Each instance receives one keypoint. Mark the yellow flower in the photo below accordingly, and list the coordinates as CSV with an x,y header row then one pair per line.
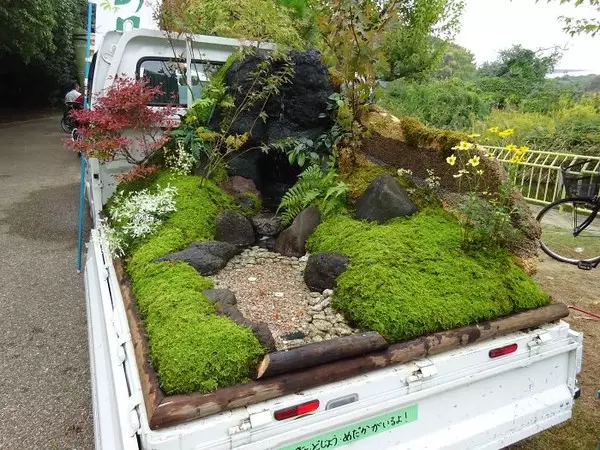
x,y
516,159
494,130
463,145
511,147
474,161
506,133
522,150
451,160
479,172
474,135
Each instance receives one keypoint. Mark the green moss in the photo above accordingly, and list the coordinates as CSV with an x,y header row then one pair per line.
x,y
419,136
256,207
358,178
192,352
191,348
410,277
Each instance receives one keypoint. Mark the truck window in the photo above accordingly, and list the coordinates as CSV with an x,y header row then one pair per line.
x,y
171,76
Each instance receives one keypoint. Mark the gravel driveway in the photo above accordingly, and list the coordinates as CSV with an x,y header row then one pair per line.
x,y
44,368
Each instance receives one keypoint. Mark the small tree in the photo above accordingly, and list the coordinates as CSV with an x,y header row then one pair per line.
x,y
352,33
122,125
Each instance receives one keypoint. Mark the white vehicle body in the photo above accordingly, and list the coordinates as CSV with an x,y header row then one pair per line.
x,y
460,399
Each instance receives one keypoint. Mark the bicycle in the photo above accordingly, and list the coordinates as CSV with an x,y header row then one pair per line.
x,y
569,231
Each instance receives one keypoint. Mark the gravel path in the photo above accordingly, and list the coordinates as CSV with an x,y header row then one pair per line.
x,y
44,369
270,288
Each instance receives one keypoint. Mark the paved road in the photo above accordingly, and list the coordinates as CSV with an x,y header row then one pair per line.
x,y
44,371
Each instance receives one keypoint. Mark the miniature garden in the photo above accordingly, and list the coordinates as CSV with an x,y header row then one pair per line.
x,y
285,209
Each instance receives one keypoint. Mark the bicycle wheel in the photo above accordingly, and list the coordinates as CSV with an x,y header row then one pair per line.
x,y
558,222
65,126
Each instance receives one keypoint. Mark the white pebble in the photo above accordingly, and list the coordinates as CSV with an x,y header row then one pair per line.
x,y
328,292
278,294
252,279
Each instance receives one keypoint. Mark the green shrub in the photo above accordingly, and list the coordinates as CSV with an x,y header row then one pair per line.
x,y
410,277
191,348
449,104
570,130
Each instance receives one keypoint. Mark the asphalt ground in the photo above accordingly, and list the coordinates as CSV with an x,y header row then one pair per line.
x,y
44,366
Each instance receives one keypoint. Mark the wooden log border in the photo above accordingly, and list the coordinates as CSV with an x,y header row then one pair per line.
x,y
165,411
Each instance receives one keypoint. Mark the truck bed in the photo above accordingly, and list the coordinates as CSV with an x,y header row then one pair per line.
x,y
463,398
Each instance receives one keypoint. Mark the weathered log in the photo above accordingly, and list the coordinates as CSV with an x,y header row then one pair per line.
x,y
151,391
318,353
182,408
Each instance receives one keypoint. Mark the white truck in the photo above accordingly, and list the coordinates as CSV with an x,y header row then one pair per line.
x,y
484,395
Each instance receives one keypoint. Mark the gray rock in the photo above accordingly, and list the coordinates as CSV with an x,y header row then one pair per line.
x,y
206,257
234,228
383,200
323,269
293,336
327,293
292,240
313,330
267,224
222,296
319,316
237,185
225,303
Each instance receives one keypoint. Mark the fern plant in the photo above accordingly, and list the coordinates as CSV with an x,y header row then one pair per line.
x,y
314,187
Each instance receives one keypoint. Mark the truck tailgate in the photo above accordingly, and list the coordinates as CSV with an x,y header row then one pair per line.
x,y
485,395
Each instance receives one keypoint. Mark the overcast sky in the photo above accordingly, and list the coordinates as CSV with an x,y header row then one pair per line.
x,y
492,25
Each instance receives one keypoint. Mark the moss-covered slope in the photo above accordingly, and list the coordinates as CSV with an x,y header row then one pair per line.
x,y
410,277
191,348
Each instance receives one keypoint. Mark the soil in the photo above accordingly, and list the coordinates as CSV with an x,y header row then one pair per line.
x,y
579,288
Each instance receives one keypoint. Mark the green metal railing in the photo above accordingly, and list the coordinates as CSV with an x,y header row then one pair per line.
x,y
538,174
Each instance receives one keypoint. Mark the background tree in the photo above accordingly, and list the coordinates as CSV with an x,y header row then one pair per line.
x,y
455,62
588,25
413,48
263,20
36,49
516,74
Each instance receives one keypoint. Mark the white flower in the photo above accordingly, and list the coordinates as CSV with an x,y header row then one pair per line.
x,y
137,215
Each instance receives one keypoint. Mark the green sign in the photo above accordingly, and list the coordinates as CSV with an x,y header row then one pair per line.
x,y
357,431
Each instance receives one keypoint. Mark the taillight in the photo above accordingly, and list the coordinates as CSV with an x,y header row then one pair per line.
x,y
298,410
501,351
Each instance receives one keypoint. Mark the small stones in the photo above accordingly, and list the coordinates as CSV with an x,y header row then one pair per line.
x,y
307,314
322,325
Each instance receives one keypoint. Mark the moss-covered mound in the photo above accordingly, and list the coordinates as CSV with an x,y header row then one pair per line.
x,y
410,277
191,348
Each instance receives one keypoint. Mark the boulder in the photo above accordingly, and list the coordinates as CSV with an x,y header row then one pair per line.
x,y
237,185
323,269
234,228
267,224
292,240
225,303
206,257
299,110
221,296
246,165
383,200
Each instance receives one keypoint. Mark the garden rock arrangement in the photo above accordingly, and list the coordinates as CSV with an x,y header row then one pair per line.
x,y
270,288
